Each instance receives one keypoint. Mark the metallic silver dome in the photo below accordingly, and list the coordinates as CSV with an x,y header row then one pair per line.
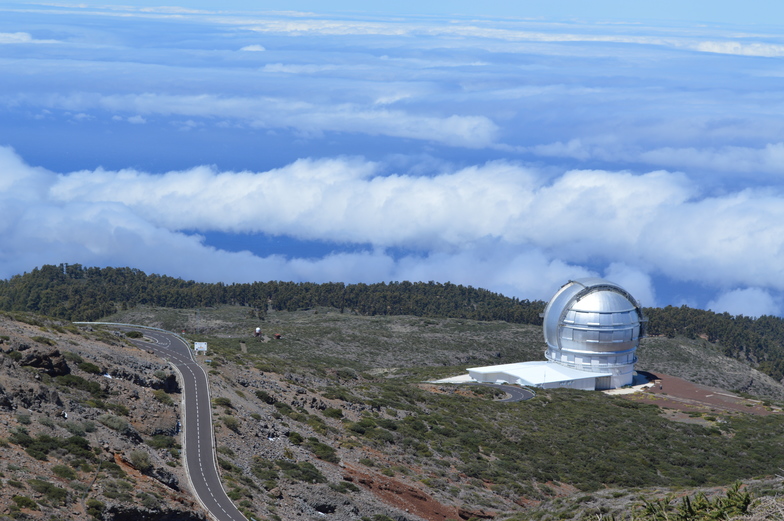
x,y
594,325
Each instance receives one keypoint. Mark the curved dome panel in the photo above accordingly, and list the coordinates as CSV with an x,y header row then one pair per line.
x,y
593,324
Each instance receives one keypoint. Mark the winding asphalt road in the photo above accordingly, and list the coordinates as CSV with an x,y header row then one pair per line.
x,y
515,394
198,440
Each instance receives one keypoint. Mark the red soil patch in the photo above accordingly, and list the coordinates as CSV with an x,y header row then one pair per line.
x,y
409,498
675,393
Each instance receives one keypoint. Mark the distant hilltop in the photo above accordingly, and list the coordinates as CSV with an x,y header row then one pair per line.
x,y
75,292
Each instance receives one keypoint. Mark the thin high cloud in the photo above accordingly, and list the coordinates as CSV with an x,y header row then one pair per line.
x,y
555,33
454,130
768,159
499,225
22,38
519,87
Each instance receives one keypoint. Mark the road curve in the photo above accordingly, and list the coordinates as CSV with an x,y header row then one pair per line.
x,y
515,394
198,440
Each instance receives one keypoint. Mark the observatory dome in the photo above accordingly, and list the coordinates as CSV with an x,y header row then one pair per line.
x,y
594,325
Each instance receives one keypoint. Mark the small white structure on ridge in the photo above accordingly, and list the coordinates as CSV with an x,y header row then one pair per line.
x,y
592,328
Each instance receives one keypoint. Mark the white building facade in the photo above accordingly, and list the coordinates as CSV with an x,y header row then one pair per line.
x,y
592,328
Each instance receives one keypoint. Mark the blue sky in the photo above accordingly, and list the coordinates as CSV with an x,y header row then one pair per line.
x,y
505,147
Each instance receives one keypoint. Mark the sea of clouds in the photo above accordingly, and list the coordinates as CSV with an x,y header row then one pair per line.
x,y
507,154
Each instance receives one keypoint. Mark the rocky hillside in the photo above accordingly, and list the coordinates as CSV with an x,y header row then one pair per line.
x,y
330,413
329,416
88,427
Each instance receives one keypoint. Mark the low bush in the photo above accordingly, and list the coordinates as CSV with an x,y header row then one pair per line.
x,y
161,396
141,461
223,449
73,357
322,450
232,423
343,487
331,412
222,401
113,422
25,502
265,397
89,367
71,381
44,340
55,494
302,471
161,441
64,471
119,408
95,508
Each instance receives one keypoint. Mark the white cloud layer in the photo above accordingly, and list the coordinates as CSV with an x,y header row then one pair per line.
x,y
506,153
750,302
500,225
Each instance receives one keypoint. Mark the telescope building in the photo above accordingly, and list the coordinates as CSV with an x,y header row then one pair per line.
x,y
592,328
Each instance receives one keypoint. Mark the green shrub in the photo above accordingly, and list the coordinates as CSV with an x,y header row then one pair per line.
x,y
54,494
265,397
113,422
232,423
64,471
140,460
228,465
148,501
340,393
95,507
322,451
284,408
71,381
72,357
343,487
89,367
161,441
44,340
119,408
112,468
223,449
37,447
264,470
161,396
222,401
302,471
331,412
25,502
119,490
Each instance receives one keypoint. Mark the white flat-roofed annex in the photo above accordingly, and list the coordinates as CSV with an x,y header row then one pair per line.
x,y
543,374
